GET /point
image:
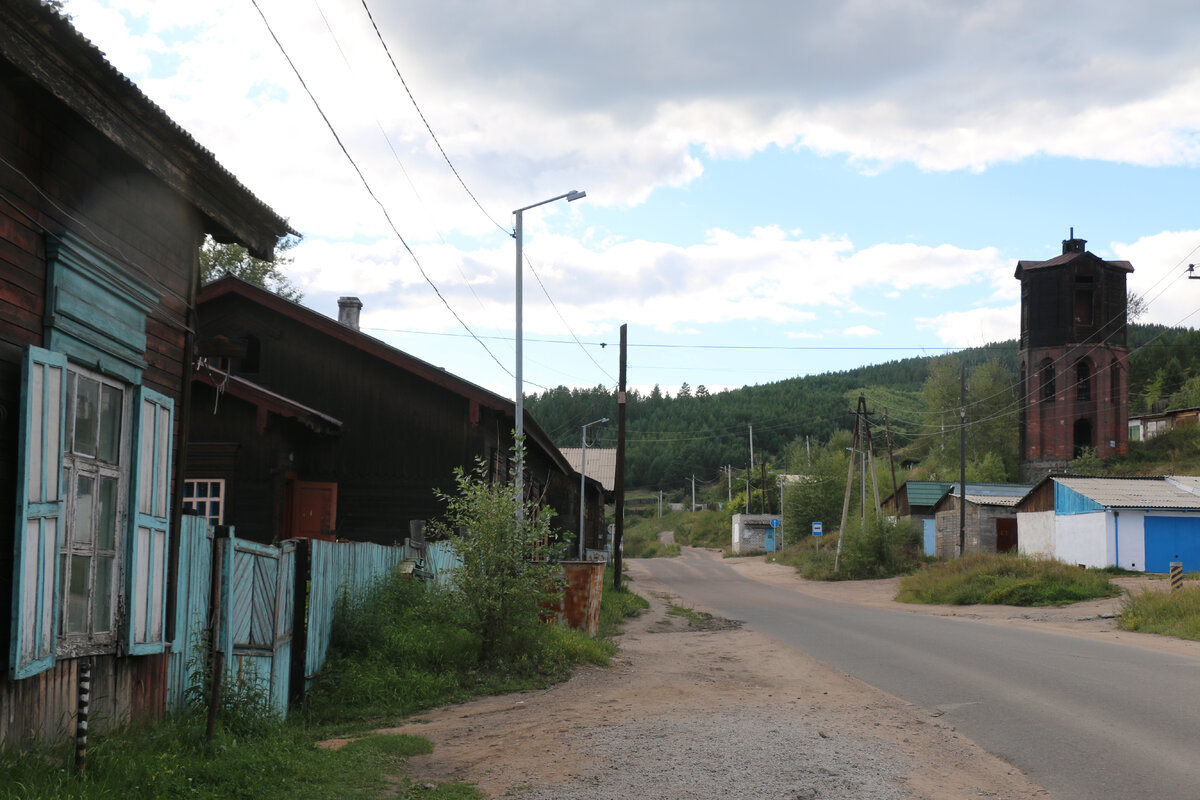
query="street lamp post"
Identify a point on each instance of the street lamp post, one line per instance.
(582, 479)
(570, 196)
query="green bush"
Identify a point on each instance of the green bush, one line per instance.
(880, 548)
(506, 577)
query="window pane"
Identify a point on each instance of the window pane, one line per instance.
(85, 490)
(87, 416)
(110, 423)
(102, 615)
(77, 594)
(106, 518)
(145, 465)
(164, 462)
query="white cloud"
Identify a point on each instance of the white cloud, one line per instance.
(975, 327)
(1160, 275)
(860, 331)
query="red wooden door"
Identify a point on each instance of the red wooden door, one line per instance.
(1006, 535)
(314, 511)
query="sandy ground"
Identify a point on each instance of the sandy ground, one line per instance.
(677, 699)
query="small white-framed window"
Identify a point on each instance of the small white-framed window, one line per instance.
(206, 498)
(95, 470)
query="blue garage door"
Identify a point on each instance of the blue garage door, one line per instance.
(929, 528)
(1172, 539)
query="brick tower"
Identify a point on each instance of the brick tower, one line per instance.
(1074, 362)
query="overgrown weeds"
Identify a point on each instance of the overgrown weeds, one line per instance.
(1170, 613)
(1005, 580)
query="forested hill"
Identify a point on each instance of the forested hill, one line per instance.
(670, 439)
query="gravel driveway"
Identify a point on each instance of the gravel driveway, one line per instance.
(709, 712)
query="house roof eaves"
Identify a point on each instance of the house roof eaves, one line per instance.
(268, 400)
(44, 46)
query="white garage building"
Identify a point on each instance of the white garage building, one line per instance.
(1141, 524)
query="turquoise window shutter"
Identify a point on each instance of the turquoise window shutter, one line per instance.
(39, 513)
(149, 522)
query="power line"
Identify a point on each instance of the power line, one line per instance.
(370, 191)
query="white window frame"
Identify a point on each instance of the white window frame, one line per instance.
(201, 503)
(80, 465)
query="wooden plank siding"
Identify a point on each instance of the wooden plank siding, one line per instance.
(88, 159)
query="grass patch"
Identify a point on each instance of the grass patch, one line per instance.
(695, 619)
(405, 647)
(618, 605)
(1170, 613)
(172, 760)
(694, 529)
(1005, 580)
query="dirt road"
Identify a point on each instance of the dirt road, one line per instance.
(687, 712)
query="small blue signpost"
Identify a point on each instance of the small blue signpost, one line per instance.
(817, 529)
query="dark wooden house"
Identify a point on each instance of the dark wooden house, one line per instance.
(307, 427)
(104, 202)
(1074, 362)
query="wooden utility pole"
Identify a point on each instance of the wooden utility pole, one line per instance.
(887, 425)
(962, 462)
(619, 477)
(837, 559)
(861, 423)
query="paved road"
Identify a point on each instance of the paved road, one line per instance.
(1087, 720)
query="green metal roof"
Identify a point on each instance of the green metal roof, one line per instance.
(926, 493)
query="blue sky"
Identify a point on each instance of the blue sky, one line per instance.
(845, 183)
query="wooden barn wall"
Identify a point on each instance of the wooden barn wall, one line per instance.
(64, 177)
(255, 466)
(402, 435)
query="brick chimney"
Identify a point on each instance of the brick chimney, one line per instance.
(348, 310)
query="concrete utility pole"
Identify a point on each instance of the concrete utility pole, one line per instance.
(693, 493)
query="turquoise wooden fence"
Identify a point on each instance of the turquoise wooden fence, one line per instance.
(185, 669)
(337, 569)
(441, 561)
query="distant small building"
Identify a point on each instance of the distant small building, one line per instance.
(915, 500)
(754, 533)
(1147, 426)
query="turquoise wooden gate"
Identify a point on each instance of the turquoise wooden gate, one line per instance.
(258, 595)
(254, 617)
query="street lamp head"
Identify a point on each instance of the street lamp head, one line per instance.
(573, 195)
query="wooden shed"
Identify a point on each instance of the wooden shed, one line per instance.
(990, 514)
(315, 429)
(105, 203)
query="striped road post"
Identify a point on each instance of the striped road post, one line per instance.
(1176, 576)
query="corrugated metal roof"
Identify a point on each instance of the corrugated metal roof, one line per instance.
(1189, 483)
(601, 463)
(993, 499)
(926, 493)
(1133, 492)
